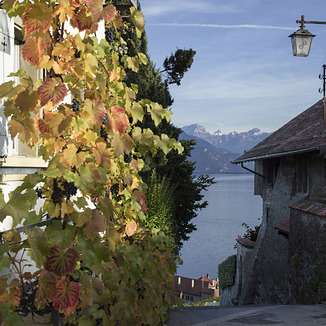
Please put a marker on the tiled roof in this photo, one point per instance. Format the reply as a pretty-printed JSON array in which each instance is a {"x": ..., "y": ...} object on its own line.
[
  {"x": 199, "y": 286},
  {"x": 284, "y": 227},
  {"x": 246, "y": 242},
  {"x": 310, "y": 207},
  {"x": 303, "y": 133}
]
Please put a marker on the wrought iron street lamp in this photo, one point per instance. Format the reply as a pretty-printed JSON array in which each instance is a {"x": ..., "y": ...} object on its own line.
[{"x": 302, "y": 38}]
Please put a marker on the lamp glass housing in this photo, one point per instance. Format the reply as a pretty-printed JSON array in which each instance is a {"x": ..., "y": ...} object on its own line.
[{"x": 301, "y": 42}]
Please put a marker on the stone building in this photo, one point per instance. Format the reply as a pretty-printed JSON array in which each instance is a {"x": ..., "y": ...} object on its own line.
[{"x": 287, "y": 263}]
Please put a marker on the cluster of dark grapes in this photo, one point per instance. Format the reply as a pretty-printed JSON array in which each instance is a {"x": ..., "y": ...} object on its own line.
[
  {"x": 106, "y": 119},
  {"x": 110, "y": 34},
  {"x": 128, "y": 158},
  {"x": 26, "y": 305},
  {"x": 39, "y": 193},
  {"x": 75, "y": 105},
  {"x": 104, "y": 134},
  {"x": 68, "y": 189}
]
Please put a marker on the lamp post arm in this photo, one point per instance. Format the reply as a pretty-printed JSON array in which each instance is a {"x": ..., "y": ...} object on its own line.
[{"x": 302, "y": 22}]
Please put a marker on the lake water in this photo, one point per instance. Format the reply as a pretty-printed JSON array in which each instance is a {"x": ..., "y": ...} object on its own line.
[{"x": 230, "y": 203}]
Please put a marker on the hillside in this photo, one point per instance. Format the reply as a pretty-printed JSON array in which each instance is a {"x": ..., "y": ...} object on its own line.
[{"x": 210, "y": 159}]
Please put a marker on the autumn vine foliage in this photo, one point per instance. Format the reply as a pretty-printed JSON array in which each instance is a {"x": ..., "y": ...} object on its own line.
[{"x": 95, "y": 262}]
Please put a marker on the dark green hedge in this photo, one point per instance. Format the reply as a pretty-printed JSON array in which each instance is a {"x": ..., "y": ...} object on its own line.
[{"x": 226, "y": 272}]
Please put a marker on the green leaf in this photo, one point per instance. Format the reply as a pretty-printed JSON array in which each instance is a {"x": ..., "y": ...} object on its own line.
[
  {"x": 138, "y": 21},
  {"x": 39, "y": 243},
  {"x": 6, "y": 88},
  {"x": 84, "y": 181},
  {"x": 61, "y": 262},
  {"x": 143, "y": 58},
  {"x": 15, "y": 320},
  {"x": 4, "y": 259},
  {"x": 137, "y": 112}
]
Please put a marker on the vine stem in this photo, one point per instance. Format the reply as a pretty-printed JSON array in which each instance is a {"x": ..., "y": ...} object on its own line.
[{"x": 18, "y": 270}]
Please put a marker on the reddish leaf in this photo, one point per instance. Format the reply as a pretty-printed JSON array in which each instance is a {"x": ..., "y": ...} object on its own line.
[
  {"x": 50, "y": 90},
  {"x": 141, "y": 199},
  {"x": 96, "y": 8},
  {"x": 36, "y": 16},
  {"x": 83, "y": 22},
  {"x": 47, "y": 285},
  {"x": 131, "y": 228},
  {"x": 98, "y": 111},
  {"x": 65, "y": 297},
  {"x": 13, "y": 298},
  {"x": 3, "y": 296},
  {"x": 42, "y": 126},
  {"x": 95, "y": 225},
  {"x": 119, "y": 121},
  {"x": 109, "y": 12},
  {"x": 33, "y": 50},
  {"x": 61, "y": 262}
]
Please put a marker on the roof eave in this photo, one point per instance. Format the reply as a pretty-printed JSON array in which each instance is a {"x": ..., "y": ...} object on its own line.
[{"x": 268, "y": 156}]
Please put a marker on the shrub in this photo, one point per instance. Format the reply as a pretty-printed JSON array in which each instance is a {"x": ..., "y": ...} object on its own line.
[{"x": 226, "y": 272}]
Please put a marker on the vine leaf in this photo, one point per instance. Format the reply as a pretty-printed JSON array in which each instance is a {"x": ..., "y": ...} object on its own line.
[
  {"x": 119, "y": 121},
  {"x": 65, "y": 297},
  {"x": 101, "y": 154},
  {"x": 96, "y": 8},
  {"x": 83, "y": 21},
  {"x": 131, "y": 228},
  {"x": 138, "y": 20},
  {"x": 33, "y": 50},
  {"x": 46, "y": 286},
  {"x": 73, "y": 158},
  {"x": 26, "y": 101},
  {"x": 109, "y": 12},
  {"x": 96, "y": 108},
  {"x": 50, "y": 90},
  {"x": 61, "y": 262},
  {"x": 12, "y": 298},
  {"x": 122, "y": 144},
  {"x": 95, "y": 225},
  {"x": 42, "y": 126},
  {"x": 36, "y": 16},
  {"x": 39, "y": 243}
]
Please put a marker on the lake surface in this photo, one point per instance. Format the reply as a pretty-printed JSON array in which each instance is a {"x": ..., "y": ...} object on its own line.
[{"x": 231, "y": 202}]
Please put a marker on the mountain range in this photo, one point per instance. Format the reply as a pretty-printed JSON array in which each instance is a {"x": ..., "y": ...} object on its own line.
[{"x": 214, "y": 151}]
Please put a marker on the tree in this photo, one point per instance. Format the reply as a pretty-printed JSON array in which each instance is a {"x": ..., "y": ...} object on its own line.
[
  {"x": 177, "y": 64},
  {"x": 95, "y": 261},
  {"x": 188, "y": 193}
]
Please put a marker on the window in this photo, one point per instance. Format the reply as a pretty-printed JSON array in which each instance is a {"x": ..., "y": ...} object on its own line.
[
  {"x": 301, "y": 174},
  {"x": 191, "y": 298},
  {"x": 187, "y": 297},
  {"x": 271, "y": 171}
]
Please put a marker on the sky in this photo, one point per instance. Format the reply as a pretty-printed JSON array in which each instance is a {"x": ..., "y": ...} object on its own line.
[{"x": 244, "y": 75}]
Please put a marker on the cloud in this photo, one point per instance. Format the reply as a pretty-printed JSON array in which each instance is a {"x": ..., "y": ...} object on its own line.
[{"x": 223, "y": 26}]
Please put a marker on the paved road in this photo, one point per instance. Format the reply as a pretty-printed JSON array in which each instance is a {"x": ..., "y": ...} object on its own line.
[{"x": 295, "y": 315}]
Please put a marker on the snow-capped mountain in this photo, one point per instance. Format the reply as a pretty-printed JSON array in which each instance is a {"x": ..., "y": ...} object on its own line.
[{"x": 234, "y": 142}]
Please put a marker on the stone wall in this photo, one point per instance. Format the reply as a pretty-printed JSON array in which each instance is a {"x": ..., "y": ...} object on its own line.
[{"x": 307, "y": 258}]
